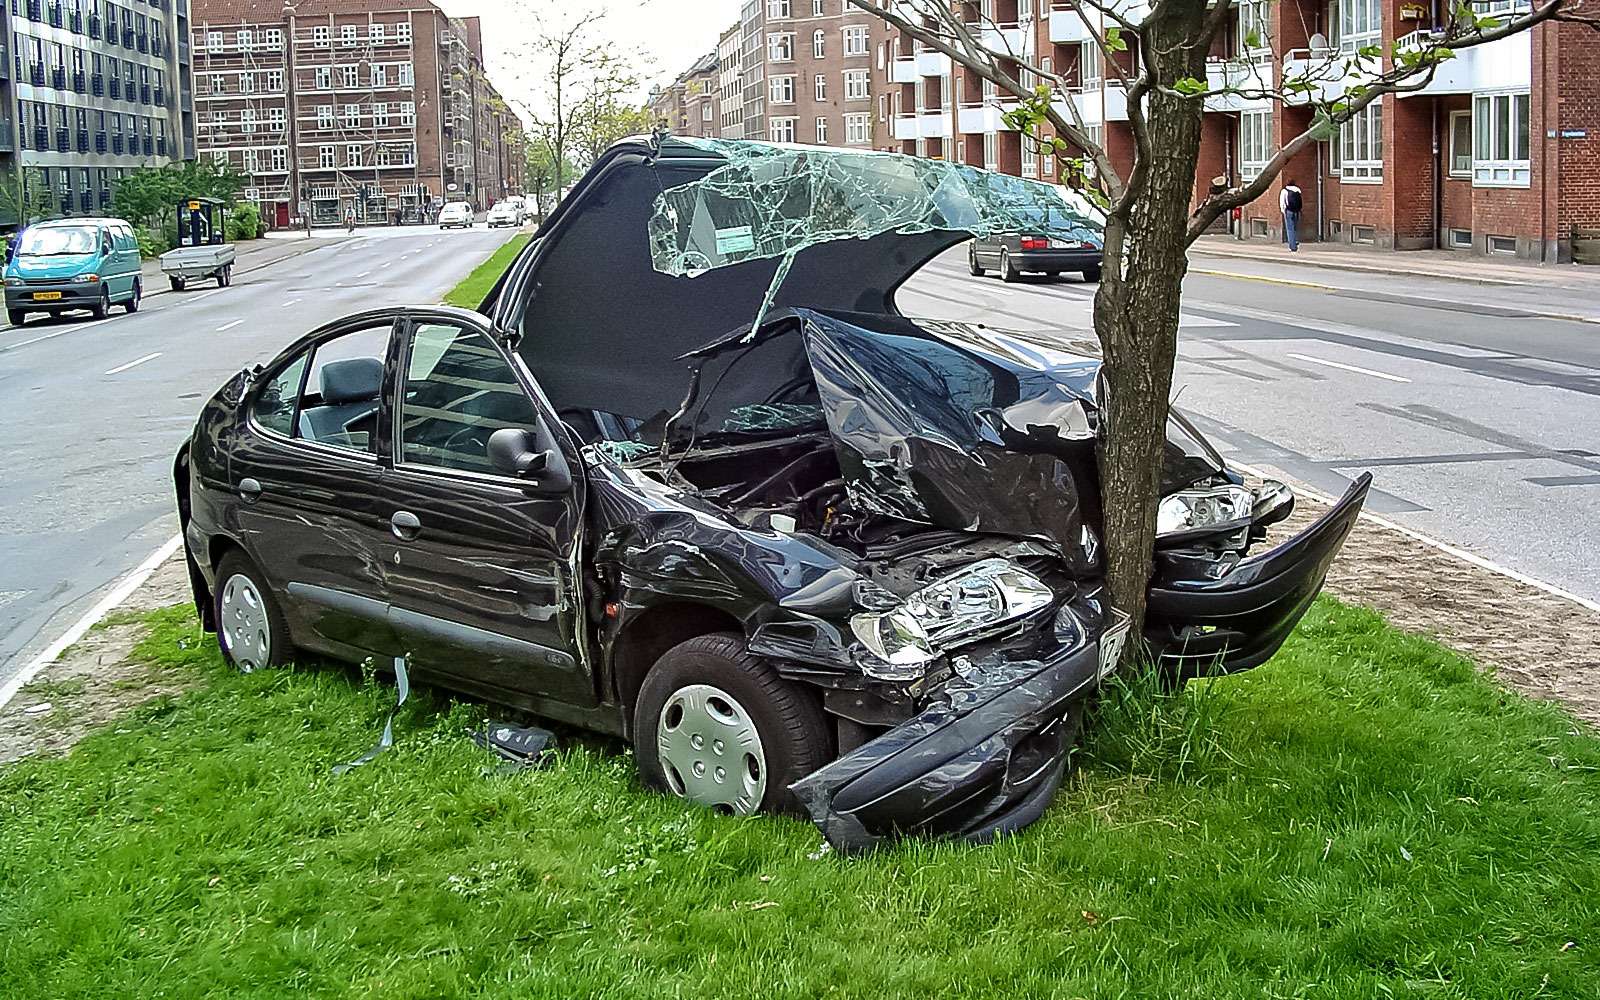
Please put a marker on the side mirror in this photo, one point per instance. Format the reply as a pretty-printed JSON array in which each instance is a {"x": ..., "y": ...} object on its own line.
[{"x": 526, "y": 455}]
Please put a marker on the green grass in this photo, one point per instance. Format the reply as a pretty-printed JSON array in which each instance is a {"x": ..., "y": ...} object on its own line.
[
  {"x": 469, "y": 294},
  {"x": 1362, "y": 817}
]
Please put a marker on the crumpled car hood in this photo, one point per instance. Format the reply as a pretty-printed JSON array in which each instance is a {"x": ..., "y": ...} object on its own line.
[{"x": 955, "y": 425}]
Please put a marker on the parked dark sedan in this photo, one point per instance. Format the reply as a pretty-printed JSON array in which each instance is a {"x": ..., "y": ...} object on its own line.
[
  {"x": 1014, "y": 254},
  {"x": 839, "y": 559}
]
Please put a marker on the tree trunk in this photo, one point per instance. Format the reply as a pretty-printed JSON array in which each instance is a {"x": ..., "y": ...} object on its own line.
[{"x": 1136, "y": 317}]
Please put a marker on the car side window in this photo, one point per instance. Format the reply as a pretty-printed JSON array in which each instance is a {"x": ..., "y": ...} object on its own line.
[
  {"x": 339, "y": 406},
  {"x": 274, "y": 406},
  {"x": 459, "y": 390}
]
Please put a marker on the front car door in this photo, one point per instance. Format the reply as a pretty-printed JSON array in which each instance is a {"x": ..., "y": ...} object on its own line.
[
  {"x": 308, "y": 468},
  {"x": 481, "y": 569}
]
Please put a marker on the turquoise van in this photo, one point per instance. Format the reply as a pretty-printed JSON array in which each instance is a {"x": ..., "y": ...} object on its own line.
[{"x": 66, "y": 264}]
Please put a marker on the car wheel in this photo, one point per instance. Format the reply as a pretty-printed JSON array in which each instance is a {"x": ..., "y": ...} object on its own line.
[
  {"x": 132, "y": 305},
  {"x": 102, "y": 309},
  {"x": 17, "y": 316},
  {"x": 716, "y": 725},
  {"x": 250, "y": 627},
  {"x": 1090, "y": 274},
  {"x": 1007, "y": 272},
  {"x": 176, "y": 283},
  {"x": 973, "y": 266}
]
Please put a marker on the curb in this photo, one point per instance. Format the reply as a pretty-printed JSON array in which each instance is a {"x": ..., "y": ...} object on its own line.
[{"x": 1359, "y": 268}]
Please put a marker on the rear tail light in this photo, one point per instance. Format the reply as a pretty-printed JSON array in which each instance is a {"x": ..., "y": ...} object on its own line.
[{"x": 1035, "y": 243}]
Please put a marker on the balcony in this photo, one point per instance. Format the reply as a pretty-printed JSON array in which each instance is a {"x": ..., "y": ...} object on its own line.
[
  {"x": 1002, "y": 38},
  {"x": 927, "y": 124},
  {"x": 1503, "y": 64},
  {"x": 1098, "y": 103},
  {"x": 1251, "y": 74},
  {"x": 982, "y": 117},
  {"x": 910, "y": 69}
]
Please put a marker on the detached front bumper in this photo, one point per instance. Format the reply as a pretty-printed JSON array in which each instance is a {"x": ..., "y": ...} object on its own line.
[
  {"x": 985, "y": 757},
  {"x": 1213, "y": 618}
]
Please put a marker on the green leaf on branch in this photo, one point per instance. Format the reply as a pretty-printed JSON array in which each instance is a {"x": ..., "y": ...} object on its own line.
[
  {"x": 1252, "y": 39},
  {"x": 1114, "y": 40},
  {"x": 1190, "y": 87}
]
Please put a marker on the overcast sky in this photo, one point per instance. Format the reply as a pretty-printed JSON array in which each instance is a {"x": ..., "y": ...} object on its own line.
[{"x": 668, "y": 35}]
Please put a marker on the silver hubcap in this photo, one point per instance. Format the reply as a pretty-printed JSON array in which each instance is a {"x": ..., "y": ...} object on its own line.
[
  {"x": 244, "y": 624},
  {"x": 711, "y": 751}
]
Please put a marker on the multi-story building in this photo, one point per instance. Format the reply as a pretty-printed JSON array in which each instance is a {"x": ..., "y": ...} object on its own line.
[
  {"x": 100, "y": 88},
  {"x": 730, "y": 85},
  {"x": 333, "y": 107},
  {"x": 752, "y": 67},
  {"x": 818, "y": 72},
  {"x": 702, "y": 98},
  {"x": 665, "y": 105},
  {"x": 1498, "y": 154}
]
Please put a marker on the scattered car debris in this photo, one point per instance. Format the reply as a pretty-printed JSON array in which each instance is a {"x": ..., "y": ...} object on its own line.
[
  {"x": 39, "y": 709},
  {"x": 402, "y": 684},
  {"x": 518, "y": 747}
]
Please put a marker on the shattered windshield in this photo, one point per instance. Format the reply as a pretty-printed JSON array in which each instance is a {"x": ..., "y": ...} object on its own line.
[{"x": 770, "y": 201}]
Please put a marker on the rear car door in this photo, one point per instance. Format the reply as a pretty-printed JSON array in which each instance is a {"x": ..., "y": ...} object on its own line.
[
  {"x": 480, "y": 565},
  {"x": 308, "y": 468}
]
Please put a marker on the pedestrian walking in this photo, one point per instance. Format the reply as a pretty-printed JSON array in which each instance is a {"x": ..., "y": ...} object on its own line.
[{"x": 1291, "y": 201}]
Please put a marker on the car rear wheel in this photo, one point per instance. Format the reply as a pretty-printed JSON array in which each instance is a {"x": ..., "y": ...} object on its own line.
[
  {"x": 132, "y": 305},
  {"x": 102, "y": 309},
  {"x": 717, "y": 726},
  {"x": 973, "y": 266},
  {"x": 1091, "y": 274},
  {"x": 1007, "y": 272},
  {"x": 177, "y": 283},
  {"x": 250, "y": 627}
]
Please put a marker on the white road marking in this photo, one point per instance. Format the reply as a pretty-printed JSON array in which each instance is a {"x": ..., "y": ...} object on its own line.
[
  {"x": 1192, "y": 321},
  {"x": 363, "y": 274},
  {"x": 74, "y": 328},
  {"x": 290, "y": 303},
  {"x": 121, "y": 592},
  {"x": 1445, "y": 547},
  {"x": 229, "y": 326},
  {"x": 203, "y": 295},
  {"x": 1348, "y": 368},
  {"x": 122, "y": 368}
]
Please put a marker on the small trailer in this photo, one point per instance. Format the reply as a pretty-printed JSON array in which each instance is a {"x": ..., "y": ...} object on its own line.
[{"x": 203, "y": 249}]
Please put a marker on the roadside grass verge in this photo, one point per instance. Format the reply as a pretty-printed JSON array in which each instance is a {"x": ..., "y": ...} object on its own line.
[
  {"x": 470, "y": 292},
  {"x": 1365, "y": 816}
]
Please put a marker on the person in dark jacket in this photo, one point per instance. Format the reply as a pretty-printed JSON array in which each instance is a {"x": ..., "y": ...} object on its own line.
[{"x": 1291, "y": 201}]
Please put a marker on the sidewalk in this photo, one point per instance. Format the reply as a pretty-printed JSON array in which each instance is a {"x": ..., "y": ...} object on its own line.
[
  {"x": 1446, "y": 264},
  {"x": 251, "y": 255}
]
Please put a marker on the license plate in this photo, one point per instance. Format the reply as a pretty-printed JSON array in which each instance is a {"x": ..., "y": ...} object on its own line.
[
  {"x": 46, "y": 296},
  {"x": 1066, "y": 244},
  {"x": 1112, "y": 642}
]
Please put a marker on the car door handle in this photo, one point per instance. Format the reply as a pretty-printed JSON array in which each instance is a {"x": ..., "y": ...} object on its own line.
[
  {"x": 405, "y": 525},
  {"x": 249, "y": 490}
]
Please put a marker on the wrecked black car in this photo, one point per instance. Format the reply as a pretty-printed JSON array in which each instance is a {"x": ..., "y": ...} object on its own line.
[{"x": 720, "y": 498}]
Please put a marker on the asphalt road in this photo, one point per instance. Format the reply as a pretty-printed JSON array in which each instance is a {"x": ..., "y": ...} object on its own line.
[
  {"x": 1479, "y": 420},
  {"x": 91, "y": 413}
]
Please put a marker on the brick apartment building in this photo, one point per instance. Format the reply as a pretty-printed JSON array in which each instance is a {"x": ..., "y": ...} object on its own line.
[
  {"x": 691, "y": 104},
  {"x": 98, "y": 88},
  {"x": 1499, "y": 154},
  {"x": 377, "y": 107}
]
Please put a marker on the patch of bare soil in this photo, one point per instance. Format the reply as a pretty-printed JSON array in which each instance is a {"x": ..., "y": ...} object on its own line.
[
  {"x": 97, "y": 678},
  {"x": 1537, "y": 643}
]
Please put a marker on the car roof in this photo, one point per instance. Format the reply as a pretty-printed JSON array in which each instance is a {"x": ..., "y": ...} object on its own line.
[{"x": 81, "y": 221}]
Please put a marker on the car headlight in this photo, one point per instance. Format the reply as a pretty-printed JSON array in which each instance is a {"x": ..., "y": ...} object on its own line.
[
  {"x": 82, "y": 278},
  {"x": 964, "y": 605},
  {"x": 14, "y": 282},
  {"x": 1205, "y": 511}
]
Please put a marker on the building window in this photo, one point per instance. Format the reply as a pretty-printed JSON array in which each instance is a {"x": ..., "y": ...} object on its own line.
[
  {"x": 247, "y": 82},
  {"x": 324, "y": 116},
  {"x": 352, "y": 154},
  {"x": 780, "y": 90},
  {"x": 1030, "y": 164},
  {"x": 349, "y": 75},
  {"x": 352, "y": 115},
  {"x": 247, "y": 120},
  {"x": 822, "y": 131},
  {"x": 1360, "y": 23},
  {"x": 780, "y": 129},
  {"x": 1460, "y": 144},
  {"x": 319, "y": 36},
  {"x": 819, "y": 44},
  {"x": 274, "y": 81},
  {"x": 1255, "y": 143},
  {"x": 855, "y": 40},
  {"x": 1500, "y": 244},
  {"x": 816, "y": 8},
  {"x": 324, "y": 78},
  {"x": 1254, "y": 26},
  {"x": 991, "y": 154},
  {"x": 214, "y": 40},
  {"x": 779, "y": 8},
  {"x": 217, "y": 86},
  {"x": 1500, "y": 134},
  {"x": 325, "y": 157},
  {"x": 705, "y": 111},
  {"x": 246, "y": 38},
  {"x": 1361, "y": 139},
  {"x": 1092, "y": 61},
  {"x": 347, "y": 34},
  {"x": 272, "y": 38},
  {"x": 780, "y": 47},
  {"x": 380, "y": 75},
  {"x": 402, "y": 32},
  {"x": 375, "y": 33},
  {"x": 858, "y": 128},
  {"x": 1363, "y": 234},
  {"x": 1460, "y": 239},
  {"x": 403, "y": 71},
  {"x": 276, "y": 116},
  {"x": 280, "y": 158},
  {"x": 821, "y": 82},
  {"x": 855, "y": 84},
  {"x": 408, "y": 114},
  {"x": 251, "y": 163},
  {"x": 380, "y": 114},
  {"x": 883, "y": 108}
]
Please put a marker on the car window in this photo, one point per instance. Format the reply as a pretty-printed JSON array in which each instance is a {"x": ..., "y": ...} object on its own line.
[
  {"x": 339, "y": 406},
  {"x": 459, "y": 390},
  {"x": 274, "y": 407}
]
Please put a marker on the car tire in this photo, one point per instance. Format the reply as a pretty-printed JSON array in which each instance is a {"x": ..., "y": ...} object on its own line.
[
  {"x": 712, "y": 684},
  {"x": 973, "y": 267},
  {"x": 1090, "y": 274},
  {"x": 250, "y": 627},
  {"x": 132, "y": 305},
  {"x": 1007, "y": 272},
  {"x": 176, "y": 283},
  {"x": 17, "y": 316},
  {"x": 102, "y": 309}
]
